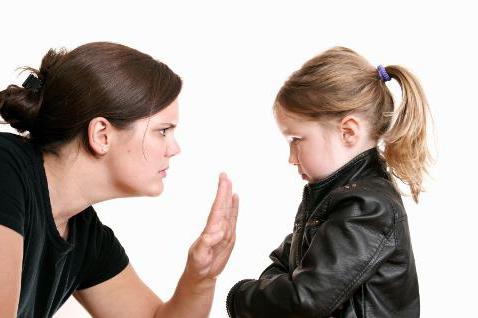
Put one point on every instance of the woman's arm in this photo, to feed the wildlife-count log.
(207, 258)
(11, 254)
(125, 295)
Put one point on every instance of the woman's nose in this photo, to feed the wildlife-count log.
(173, 149)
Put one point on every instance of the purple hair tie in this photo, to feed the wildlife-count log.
(383, 73)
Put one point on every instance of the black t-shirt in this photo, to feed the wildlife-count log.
(52, 268)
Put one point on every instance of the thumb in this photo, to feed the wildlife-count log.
(211, 239)
(204, 244)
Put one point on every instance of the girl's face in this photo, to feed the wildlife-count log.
(316, 149)
(140, 157)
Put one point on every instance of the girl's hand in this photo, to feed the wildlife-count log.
(210, 252)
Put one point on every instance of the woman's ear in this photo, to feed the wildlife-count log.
(99, 135)
(350, 130)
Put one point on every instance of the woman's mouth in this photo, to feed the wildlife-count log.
(163, 172)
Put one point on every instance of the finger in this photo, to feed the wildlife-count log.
(228, 202)
(227, 212)
(232, 217)
(219, 207)
(234, 214)
(221, 190)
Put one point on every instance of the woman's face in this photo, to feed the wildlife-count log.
(140, 157)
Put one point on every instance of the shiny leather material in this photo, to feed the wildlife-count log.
(349, 254)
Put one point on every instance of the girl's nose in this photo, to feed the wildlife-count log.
(293, 157)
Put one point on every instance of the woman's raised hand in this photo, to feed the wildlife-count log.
(210, 252)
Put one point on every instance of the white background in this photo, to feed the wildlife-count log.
(233, 57)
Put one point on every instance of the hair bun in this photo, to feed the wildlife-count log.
(19, 107)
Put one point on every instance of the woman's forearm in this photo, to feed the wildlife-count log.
(207, 258)
(192, 299)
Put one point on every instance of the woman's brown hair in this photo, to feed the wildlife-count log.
(99, 79)
(339, 82)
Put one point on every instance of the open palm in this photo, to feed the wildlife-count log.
(210, 252)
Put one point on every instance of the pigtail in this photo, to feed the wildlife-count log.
(406, 150)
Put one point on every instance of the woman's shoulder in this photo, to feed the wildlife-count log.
(16, 182)
(87, 217)
(14, 147)
(8, 138)
(89, 220)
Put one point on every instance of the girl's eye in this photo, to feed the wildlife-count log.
(294, 140)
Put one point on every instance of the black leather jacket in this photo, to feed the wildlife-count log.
(349, 254)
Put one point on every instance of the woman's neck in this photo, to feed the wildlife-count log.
(75, 181)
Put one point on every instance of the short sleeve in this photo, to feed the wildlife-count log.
(12, 194)
(107, 257)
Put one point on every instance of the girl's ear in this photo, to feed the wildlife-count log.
(350, 130)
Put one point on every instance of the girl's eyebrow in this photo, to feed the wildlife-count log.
(285, 131)
(289, 132)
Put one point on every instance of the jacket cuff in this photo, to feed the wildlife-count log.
(230, 297)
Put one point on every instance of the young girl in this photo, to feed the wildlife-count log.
(100, 122)
(350, 253)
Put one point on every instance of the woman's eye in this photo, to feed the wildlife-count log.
(163, 131)
(294, 140)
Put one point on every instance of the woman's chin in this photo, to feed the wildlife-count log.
(154, 192)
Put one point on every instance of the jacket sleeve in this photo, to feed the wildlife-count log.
(344, 252)
(280, 259)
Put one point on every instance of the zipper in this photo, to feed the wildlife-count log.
(300, 226)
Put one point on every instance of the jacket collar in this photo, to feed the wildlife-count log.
(367, 163)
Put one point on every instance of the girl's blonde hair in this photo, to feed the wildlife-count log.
(339, 82)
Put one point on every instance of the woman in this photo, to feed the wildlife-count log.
(100, 122)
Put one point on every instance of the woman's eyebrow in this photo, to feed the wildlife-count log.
(168, 124)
